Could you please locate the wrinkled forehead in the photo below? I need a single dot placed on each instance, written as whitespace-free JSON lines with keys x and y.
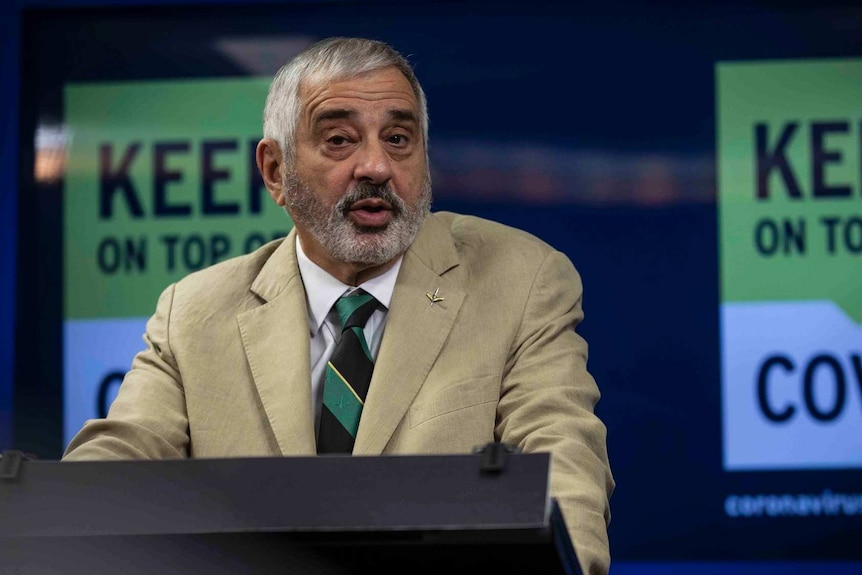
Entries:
{"x":380,"y":83}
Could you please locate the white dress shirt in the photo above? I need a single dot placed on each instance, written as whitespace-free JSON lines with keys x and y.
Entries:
{"x":322,"y":290}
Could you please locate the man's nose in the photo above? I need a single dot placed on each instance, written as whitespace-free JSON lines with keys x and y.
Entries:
{"x":373,"y":163}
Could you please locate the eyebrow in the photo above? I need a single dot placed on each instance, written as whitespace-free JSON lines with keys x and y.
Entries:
{"x":402,"y":116}
{"x":336,"y":114}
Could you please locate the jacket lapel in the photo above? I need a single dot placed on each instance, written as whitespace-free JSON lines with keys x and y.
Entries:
{"x":276,"y":340}
{"x":415,"y":333}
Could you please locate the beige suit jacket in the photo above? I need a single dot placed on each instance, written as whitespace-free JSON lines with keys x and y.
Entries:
{"x":226,"y":373}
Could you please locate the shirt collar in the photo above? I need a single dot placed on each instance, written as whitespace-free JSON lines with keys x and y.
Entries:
{"x":322,"y":289}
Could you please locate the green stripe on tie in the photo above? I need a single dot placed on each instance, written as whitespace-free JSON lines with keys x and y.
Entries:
{"x":347,"y":305}
{"x":342,"y":401}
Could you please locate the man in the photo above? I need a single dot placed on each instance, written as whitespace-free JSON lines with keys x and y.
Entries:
{"x":469,"y":324}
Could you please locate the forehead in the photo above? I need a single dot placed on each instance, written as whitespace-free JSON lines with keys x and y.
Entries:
{"x":386,"y":88}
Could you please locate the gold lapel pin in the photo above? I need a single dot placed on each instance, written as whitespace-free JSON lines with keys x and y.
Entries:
{"x":433,"y":297}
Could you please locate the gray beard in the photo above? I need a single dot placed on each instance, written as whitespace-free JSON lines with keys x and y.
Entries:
{"x":342,"y":239}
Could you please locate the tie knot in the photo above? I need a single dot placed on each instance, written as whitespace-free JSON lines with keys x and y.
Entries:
{"x":355,"y":309}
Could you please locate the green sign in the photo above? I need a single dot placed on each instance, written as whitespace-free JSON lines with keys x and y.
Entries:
{"x":161,"y":181}
{"x":790,"y":182}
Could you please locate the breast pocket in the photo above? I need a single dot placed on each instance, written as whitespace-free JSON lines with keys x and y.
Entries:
{"x":451,"y":400}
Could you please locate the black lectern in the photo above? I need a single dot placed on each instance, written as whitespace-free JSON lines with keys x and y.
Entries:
{"x":397,"y":514}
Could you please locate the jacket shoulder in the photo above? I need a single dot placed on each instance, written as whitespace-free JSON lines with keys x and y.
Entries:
{"x":478,"y":238}
{"x":225,"y":285}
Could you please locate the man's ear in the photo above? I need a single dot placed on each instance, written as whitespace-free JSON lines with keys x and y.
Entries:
{"x":269,"y":162}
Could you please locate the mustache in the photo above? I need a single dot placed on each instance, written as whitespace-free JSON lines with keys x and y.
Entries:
{"x":367,"y":191}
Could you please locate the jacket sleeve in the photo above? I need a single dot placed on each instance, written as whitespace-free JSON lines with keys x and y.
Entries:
{"x":148,"y":418}
{"x":547,"y":402}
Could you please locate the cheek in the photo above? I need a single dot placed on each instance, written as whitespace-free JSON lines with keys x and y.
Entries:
{"x":411,"y":182}
{"x":328,"y":184}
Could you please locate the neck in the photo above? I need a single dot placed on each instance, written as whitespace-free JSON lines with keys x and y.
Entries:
{"x":356,"y":274}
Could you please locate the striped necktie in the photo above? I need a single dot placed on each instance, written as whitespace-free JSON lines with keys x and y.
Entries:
{"x":348,"y":374}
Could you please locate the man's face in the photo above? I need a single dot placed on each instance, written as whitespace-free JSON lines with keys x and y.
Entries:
{"x":359,"y":188}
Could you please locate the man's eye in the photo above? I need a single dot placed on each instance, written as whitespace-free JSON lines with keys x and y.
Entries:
{"x":337,"y":140}
{"x":397,"y":139}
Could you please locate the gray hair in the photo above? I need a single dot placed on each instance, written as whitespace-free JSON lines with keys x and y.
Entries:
{"x":329,"y":60}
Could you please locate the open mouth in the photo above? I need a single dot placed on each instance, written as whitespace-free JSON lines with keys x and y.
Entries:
{"x":372,"y":209}
{"x":372,"y":205}
{"x":372,"y":212}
